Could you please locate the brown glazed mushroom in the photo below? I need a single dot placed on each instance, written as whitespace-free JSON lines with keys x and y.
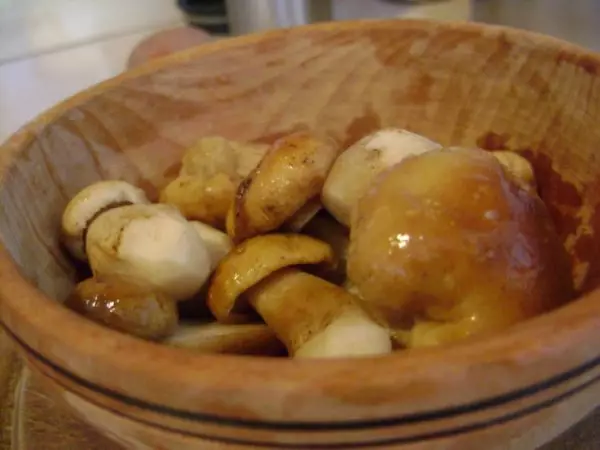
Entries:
{"x":315,"y":318}
{"x":311,"y":316}
{"x":290,"y":175}
{"x":199,"y":198}
{"x":254,"y":260}
{"x":446,"y":246}
{"x":125,"y":307}
{"x":210,"y":173}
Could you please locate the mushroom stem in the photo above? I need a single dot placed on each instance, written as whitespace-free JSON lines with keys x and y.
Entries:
{"x":315,"y":318}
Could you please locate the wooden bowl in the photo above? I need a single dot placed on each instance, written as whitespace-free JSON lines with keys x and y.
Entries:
{"x":461,"y":84}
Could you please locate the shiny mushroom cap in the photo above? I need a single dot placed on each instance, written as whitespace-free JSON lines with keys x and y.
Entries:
{"x":290,"y":175}
{"x":446,"y":245}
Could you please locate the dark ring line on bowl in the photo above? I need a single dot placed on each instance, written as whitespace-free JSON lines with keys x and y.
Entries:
{"x":295,"y":427}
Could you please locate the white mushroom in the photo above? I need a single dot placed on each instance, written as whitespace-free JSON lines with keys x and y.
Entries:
{"x":88,"y":204}
{"x":217,"y":243}
{"x":149,"y":245}
{"x":355,"y":169}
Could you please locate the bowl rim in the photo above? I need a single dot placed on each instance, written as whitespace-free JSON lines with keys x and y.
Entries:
{"x":64,"y":340}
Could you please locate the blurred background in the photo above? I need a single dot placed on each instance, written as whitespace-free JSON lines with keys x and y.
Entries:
{"x":50,"y":49}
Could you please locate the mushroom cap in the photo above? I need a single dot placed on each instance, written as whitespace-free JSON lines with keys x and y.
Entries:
{"x":356,"y":168}
{"x":125,"y":307}
{"x":291,"y":174}
{"x":445,"y":236}
{"x":152,"y":246}
{"x":88,"y":203}
{"x":201,"y":198}
{"x":253,"y":261}
{"x":217,"y":243}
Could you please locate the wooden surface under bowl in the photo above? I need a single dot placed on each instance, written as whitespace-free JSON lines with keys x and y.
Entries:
{"x":460,"y":84}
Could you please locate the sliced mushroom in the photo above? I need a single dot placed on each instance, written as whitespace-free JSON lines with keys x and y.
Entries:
{"x":254,"y":260}
{"x":291,"y":174}
{"x":217,"y":243}
{"x":316,"y":319}
{"x":91,"y":202}
{"x":357,"y":167}
{"x":201,"y":198}
{"x":152,"y":246}
{"x":245,"y":339}
{"x":518,"y":167}
{"x":125,"y":307}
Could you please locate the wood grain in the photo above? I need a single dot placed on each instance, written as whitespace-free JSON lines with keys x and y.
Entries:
{"x":460,"y":84}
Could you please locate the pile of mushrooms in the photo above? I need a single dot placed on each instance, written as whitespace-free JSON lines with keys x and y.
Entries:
{"x":311,"y":250}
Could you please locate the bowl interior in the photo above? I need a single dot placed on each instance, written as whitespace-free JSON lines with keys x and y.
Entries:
{"x":457,"y":84}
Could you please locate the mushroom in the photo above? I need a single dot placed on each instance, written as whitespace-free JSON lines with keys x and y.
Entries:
{"x":246,"y":339}
{"x":312,"y":317}
{"x":303,"y":216}
{"x":152,"y":246}
{"x":88,"y":204}
{"x":291,"y":174}
{"x":215,"y":155}
{"x":325,"y":228}
{"x":201,"y":198}
{"x":355,"y":169}
{"x":210,"y":173}
{"x":315,"y":318}
{"x":447,"y":246}
{"x":251,"y":262}
{"x":125,"y":307}
{"x":217,"y":243}
{"x":518,"y":167}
